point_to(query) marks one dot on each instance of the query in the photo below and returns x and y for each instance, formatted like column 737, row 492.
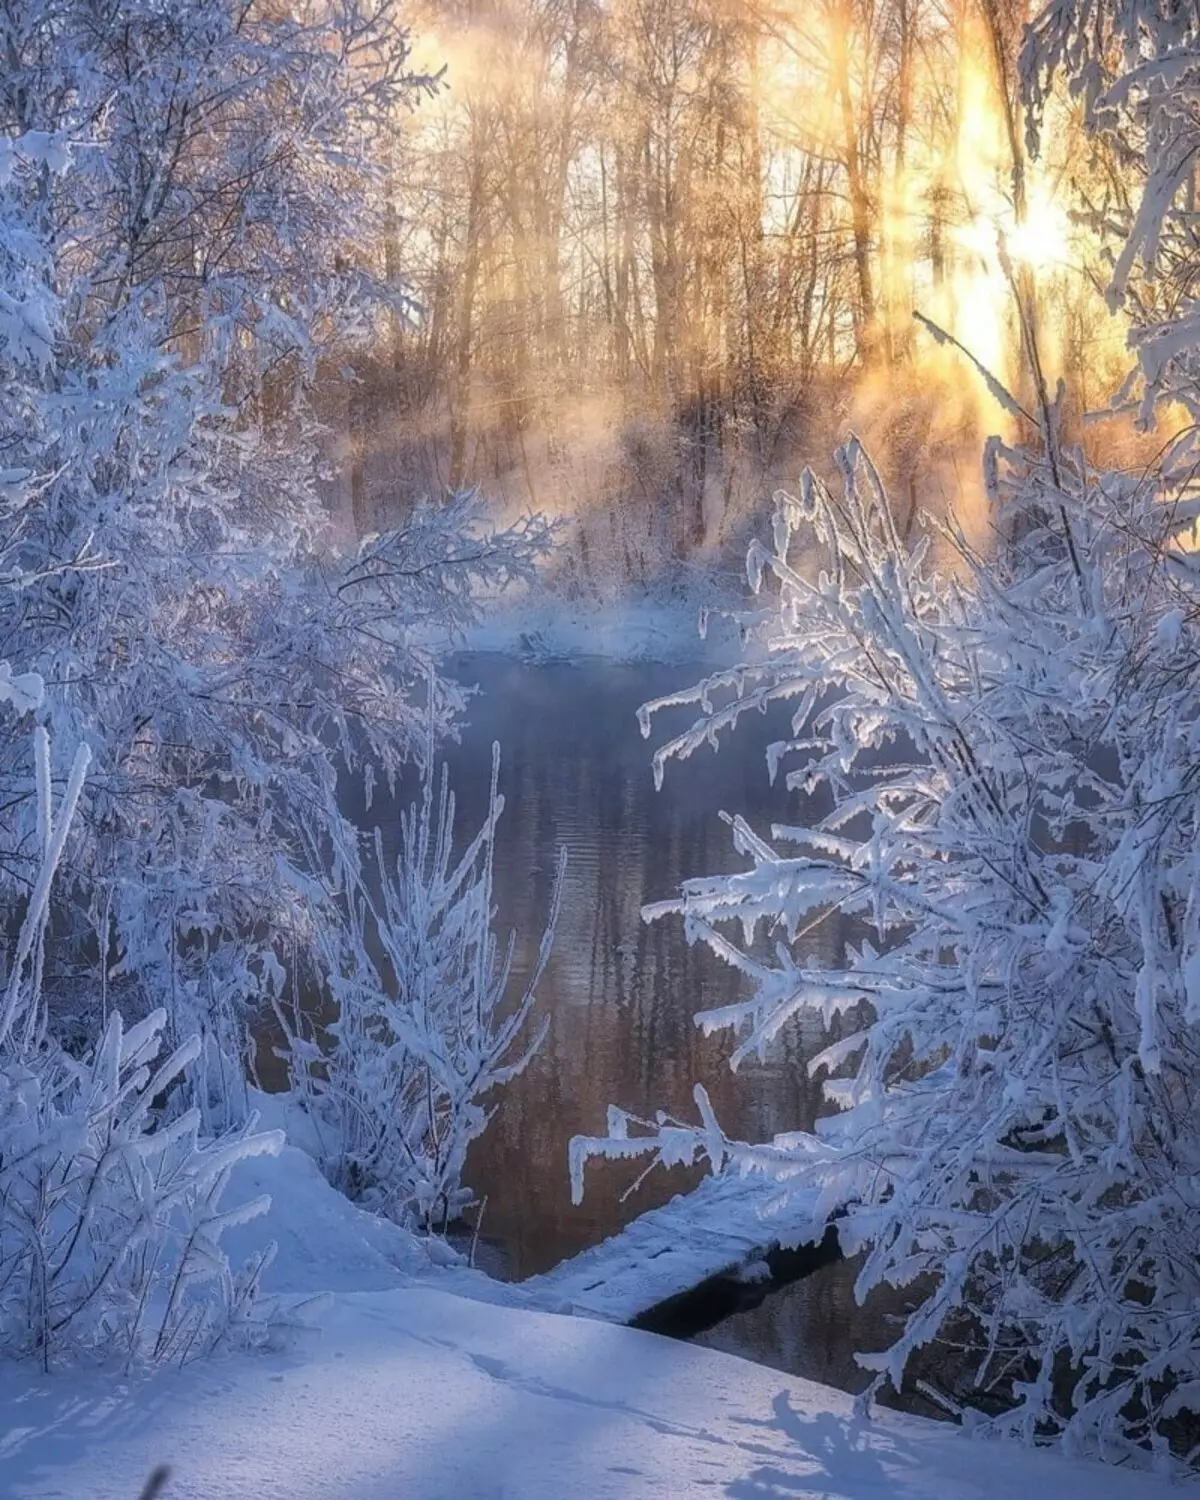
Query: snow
column 407, row 1391
column 417, row 1393
column 625, row 629
column 325, row 1243
column 723, row 1227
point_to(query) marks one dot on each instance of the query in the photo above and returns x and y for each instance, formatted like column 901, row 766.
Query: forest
column 598, row 601
column 663, row 253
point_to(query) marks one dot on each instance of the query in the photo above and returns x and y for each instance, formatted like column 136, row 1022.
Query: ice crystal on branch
column 1006, row 746
column 427, row 1029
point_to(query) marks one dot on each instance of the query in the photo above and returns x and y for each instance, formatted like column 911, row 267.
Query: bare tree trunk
column 660, row 200
column 751, row 239
column 900, row 281
column 866, row 331
column 1002, row 22
column 460, row 400
column 625, row 251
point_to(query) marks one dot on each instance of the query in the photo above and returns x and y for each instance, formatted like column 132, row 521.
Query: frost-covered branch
column 1011, row 825
column 110, row 1222
column 426, row 1027
column 185, row 194
column 1135, row 64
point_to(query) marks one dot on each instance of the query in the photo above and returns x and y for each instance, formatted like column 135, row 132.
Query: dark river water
column 620, row 994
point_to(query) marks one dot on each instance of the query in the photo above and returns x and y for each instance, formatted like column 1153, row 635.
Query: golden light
column 977, row 303
column 1043, row 240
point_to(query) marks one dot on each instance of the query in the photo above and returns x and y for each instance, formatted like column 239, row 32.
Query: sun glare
column 1041, row 240
column 978, row 301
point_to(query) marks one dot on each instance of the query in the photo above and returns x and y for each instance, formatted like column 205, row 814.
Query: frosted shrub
column 1007, row 753
column 1003, row 752
column 110, row 1222
column 188, row 194
column 426, row 1028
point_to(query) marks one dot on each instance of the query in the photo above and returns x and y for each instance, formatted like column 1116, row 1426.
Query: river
column 620, row 994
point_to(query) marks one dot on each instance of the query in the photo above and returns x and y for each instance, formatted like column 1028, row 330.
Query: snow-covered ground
column 626, row 628
column 416, row 1394
column 417, row 1388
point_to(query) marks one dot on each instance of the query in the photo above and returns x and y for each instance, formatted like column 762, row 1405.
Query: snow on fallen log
column 724, row 1229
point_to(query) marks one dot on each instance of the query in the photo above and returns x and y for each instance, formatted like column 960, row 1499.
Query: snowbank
column 417, row 1395
column 629, row 628
column 327, row 1244
column 324, row 1242
column 411, row 1393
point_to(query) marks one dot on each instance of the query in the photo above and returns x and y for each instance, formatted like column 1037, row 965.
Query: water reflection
column 620, row 994
column 810, row 1328
column 813, row 1328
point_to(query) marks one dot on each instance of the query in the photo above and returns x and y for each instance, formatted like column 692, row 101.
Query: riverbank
column 412, row 1386
column 682, row 623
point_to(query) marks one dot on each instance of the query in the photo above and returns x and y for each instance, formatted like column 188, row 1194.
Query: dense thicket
column 185, row 189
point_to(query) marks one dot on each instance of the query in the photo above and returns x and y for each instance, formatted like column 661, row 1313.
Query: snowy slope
column 324, row 1242
column 426, row 1396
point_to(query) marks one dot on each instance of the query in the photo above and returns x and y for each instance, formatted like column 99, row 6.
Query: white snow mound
column 419, row 1395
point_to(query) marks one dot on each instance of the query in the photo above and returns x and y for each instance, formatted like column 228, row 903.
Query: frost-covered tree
column 110, row 1217
column 428, row 1025
column 1001, row 754
column 1006, row 747
column 184, row 190
column 1135, row 64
